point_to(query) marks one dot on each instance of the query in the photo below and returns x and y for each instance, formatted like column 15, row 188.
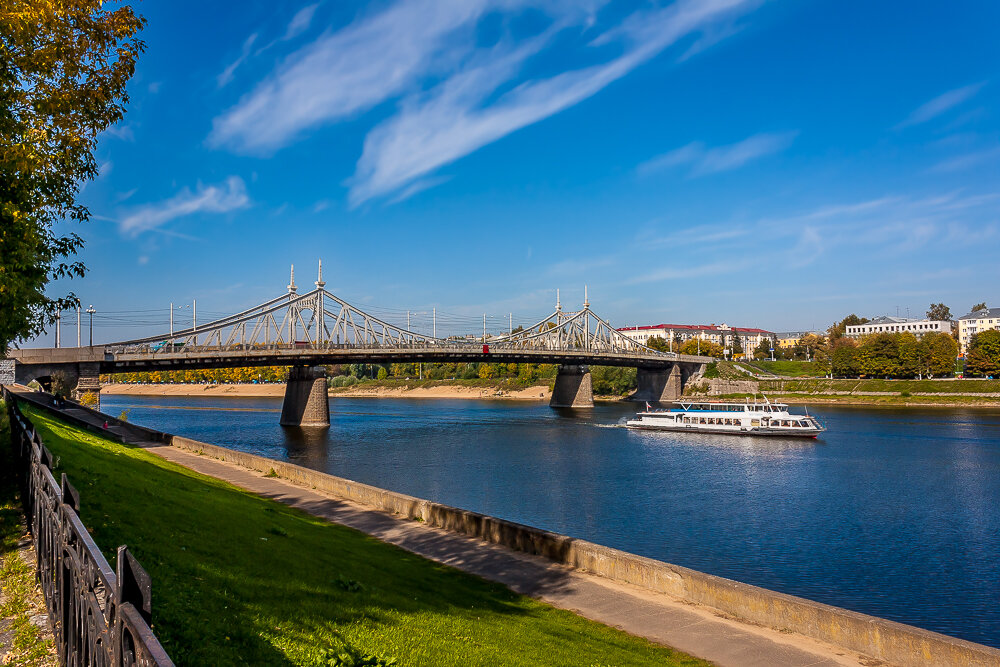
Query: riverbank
column 218, row 557
column 364, row 390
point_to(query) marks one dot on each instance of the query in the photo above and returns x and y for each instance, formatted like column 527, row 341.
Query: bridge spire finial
column 319, row 281
column 586, row 301
column 291, row 282
column 558, row 304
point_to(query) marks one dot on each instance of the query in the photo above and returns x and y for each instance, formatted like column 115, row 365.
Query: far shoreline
column 277, row 390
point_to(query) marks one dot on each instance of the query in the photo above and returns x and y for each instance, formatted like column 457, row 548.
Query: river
column 892, row 512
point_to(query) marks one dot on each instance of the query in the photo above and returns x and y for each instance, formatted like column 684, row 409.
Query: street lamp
column 91, row 311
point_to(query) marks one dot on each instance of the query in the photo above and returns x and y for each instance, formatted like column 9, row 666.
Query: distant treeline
column 893, row 355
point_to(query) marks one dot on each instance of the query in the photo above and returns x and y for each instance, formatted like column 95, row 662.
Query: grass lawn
column 239, row 579
column 789, row 368
column 912, row 386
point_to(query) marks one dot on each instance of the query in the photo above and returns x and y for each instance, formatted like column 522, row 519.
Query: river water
column 892, row 512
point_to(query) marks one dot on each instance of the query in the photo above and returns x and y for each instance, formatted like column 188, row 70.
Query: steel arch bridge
column 319, row 328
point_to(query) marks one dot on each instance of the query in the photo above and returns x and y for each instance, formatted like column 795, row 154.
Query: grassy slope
column 238, row 579
column 789, row 368
column 931, row 386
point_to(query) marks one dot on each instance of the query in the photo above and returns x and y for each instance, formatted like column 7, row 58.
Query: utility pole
column 91, row 311
column 435, row 322
column 484, row 327
column 510, row 324
column 58, row 323
column 319, row 308
column 194, row 319
column 78, row 342
column 407, row 320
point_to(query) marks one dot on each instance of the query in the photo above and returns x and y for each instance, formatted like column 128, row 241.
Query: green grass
column 789, row 368
column 20, row 599
column 239, row 579
column 912, row 386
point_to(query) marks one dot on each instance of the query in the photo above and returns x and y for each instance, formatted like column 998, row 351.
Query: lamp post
column 91, row 311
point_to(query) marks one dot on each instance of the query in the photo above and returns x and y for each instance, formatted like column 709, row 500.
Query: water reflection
column 307, row 446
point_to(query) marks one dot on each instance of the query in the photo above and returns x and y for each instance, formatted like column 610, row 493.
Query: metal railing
column 99, row 616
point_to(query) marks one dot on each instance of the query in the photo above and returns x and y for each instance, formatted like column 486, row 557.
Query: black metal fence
column 99, row 616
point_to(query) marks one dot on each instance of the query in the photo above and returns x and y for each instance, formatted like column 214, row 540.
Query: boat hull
column 751, row 430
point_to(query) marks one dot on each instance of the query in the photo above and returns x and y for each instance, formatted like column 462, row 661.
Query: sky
column 772, row 164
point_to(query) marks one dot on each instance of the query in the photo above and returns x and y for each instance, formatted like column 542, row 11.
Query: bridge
column 311, row 330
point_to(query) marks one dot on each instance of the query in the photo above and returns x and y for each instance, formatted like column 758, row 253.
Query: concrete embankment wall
column 895, row 643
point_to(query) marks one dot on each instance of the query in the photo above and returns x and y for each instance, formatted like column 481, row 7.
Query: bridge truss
column 320, row 320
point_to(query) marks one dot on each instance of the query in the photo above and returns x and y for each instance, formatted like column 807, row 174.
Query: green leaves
column 63, row 71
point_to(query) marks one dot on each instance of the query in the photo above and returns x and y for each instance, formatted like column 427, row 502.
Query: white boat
column 770, row 419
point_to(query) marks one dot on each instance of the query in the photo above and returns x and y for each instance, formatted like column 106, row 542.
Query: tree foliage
column 979, row 306
column 658, row 343
column 894, row 355
column 837, row 330
column 939, row 312
column 705, row 348
column 984, row 354
column 64, row 65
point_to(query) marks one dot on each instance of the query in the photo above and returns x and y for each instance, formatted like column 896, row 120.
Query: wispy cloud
column 228, row 196
column 940, row 104
column 456, row 94
column 227, row 74
column 968, row 160
column 123, row 132
column 703, row 160
column 687, row 272
column 301, row 21
column 454, row 119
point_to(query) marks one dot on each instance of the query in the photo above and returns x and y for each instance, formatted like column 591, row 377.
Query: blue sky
column 775, row 164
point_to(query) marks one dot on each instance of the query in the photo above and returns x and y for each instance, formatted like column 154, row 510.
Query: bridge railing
column 99, row 616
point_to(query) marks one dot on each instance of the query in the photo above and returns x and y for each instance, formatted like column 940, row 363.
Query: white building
column 887, row 324
column 677, row 334
column 973, row 323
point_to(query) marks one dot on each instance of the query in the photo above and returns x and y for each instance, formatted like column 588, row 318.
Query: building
column 975, row 322
column 887, row 324
column 678, row 334
column 789, row 339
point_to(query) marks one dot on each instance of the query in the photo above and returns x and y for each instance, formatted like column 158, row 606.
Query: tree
column 837, row 330
column 942, row 351
column 984, row 354
column 658, row 343
column 763, row 350
column 63, row 71
column 939, row 312
column 844, row 358
column 978, row 307
column 879, row 355
column 705, row 348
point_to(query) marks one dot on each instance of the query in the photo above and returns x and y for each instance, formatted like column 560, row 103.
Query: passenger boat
column 770, row 419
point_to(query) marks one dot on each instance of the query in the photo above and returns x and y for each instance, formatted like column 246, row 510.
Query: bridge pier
column 306, row 402
column 573, row 388
column 659, row 385
column 88, row 386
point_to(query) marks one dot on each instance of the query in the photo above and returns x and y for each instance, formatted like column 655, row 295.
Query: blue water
column 894, row 513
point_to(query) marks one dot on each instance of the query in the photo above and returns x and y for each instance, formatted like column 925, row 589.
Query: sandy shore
column 539, row 393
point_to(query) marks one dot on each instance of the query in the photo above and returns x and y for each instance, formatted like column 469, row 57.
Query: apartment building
column 887, row 324
column 678, row 334
column 975, row 322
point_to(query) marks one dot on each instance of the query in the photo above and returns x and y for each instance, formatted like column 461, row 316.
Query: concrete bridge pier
column 306, row 402
column 659, row 385
column 88, row 385
column 574, row 388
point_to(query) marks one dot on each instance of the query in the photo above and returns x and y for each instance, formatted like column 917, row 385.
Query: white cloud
column 342, row 73
column 227, row 74
column 123, row 132
column 704, row 160
column 300, row 22
column 228, row 196
column 940, row 104
column 456, row 94
column 453, row 119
